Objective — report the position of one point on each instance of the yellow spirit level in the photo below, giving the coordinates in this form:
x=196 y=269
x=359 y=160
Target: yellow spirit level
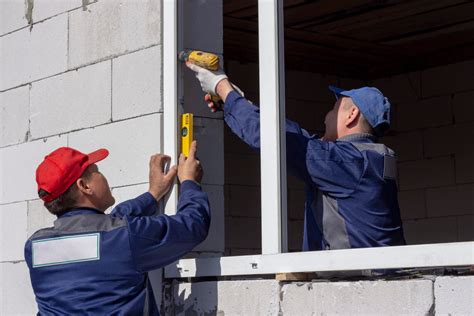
x=186 y=132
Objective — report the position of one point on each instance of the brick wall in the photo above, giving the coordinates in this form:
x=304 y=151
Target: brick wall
x=432 y=133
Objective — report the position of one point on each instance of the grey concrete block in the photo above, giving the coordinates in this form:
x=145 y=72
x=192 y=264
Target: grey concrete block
x=408 y=297
x=256 y=297
x=454 y=295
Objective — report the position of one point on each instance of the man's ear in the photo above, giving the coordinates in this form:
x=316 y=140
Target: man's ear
x=83 y=186
x=352 y=116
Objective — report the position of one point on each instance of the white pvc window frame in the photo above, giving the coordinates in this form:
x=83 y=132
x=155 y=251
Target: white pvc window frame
x=273 y=177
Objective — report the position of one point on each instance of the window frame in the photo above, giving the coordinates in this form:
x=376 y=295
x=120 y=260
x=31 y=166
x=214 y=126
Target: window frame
x=273 y=177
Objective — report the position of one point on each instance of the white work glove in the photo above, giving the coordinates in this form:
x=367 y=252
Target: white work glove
x=207 y=78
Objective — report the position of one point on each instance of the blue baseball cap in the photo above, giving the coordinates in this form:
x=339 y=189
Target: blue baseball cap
x=373 y=105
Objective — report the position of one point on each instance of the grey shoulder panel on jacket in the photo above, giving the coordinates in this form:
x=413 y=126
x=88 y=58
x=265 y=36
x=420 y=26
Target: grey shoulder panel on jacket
x=81 y=224
x=379 y=148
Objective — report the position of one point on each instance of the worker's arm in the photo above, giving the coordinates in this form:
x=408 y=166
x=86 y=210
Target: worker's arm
x=160 y=183
x=157 y=241
x=334 y=167
x=243 y=118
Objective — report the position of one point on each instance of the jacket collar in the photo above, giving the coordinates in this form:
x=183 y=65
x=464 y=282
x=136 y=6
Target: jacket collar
x=80 y=211
x=359 y=138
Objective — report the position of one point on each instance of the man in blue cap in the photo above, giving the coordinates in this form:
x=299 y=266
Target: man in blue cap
x=351 y=191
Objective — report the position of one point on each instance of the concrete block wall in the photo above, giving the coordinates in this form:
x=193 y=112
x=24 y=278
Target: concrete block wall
x=88 y=74
x=432 y=133
x=425 y=296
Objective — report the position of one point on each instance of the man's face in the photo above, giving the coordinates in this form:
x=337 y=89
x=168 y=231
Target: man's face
x=331 y=122
x=102 y=194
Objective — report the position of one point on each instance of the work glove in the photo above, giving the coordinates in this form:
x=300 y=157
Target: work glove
x=215 y=103
x=207 y=78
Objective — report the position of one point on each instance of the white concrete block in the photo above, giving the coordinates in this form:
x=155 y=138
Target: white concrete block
x=430 y=112
x=209 y=135
x=44 y=9
x=14 y=115
x=404 y=87
x=419 y=174
x=243 y=232
x=130 y=143
x=15 y=62
x=448 y=140
x=462 y=107
x=38 y=216
x=407 y=146
x=13 y=232
x=18 y=167
x=431 y=230
x=448 y=79
x=194 y=29
x=16 y=293
x=12 y=16
x=122 y=194
x=136 y=84
x=28 y=56
x=465 y=225
x=465 y=168
x=412 y=204
x=110 y=28
x=454 y=295
x=408 y=297
x=243 y=201
x=453 y=200
x=215 y=241
x=257 y=297
x=70 y=101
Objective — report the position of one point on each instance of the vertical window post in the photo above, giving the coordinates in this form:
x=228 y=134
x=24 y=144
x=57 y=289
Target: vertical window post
x=272 y=126
x=170 y=91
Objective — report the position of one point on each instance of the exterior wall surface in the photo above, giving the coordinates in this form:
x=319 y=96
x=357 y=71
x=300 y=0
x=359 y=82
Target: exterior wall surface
x=424 y=296
x=79 y=74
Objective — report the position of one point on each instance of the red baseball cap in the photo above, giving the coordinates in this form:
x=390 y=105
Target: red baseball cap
x=62 y=167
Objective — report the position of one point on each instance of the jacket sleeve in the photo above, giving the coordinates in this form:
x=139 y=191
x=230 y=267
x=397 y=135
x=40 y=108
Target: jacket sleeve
x=159 y=240
x=143 y=205
x=334 y=167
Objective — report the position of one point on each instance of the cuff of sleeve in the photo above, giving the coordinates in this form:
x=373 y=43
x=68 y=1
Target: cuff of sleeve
x=230 y=101
x=147 y=197
x=190 y=185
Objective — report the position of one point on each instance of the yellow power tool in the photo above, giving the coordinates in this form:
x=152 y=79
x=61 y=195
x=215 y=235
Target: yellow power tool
x=202 y=59
x=208 y=61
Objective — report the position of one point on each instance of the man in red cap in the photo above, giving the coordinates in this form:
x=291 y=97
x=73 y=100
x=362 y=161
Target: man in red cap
x=97 y=264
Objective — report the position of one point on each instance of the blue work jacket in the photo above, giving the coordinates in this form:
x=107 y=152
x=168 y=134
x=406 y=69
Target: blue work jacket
x=92 y=263
x=351 y=191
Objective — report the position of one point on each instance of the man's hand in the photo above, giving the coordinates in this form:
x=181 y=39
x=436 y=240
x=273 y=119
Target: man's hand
x=160 y=183
x=207 y=78
x=190 y=168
